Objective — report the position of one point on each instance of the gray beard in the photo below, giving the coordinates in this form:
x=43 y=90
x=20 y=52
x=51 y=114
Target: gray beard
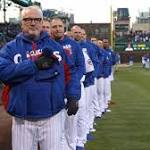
x=32 y=37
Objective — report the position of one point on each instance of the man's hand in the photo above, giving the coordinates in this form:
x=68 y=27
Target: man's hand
x=44 y=62
x=72 y=107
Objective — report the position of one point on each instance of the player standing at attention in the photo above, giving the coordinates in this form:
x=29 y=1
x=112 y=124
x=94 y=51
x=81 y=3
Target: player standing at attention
x=32 y=66
x=75 y=54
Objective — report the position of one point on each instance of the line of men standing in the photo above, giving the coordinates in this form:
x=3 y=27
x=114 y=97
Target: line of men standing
x=97 y=62
x=55 y=85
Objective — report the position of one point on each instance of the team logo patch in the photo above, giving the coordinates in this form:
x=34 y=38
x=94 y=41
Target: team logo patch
x=33 y=54
x=67 y=49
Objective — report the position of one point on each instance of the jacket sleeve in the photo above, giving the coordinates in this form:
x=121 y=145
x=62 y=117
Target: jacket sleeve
x=80 y=63
x=73 y=87
x=93 y=54
x=114 y=58
x=11 y=72
x=72 y=82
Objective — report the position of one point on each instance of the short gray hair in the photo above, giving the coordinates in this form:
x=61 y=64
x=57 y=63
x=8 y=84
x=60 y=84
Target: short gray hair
x=27 y=9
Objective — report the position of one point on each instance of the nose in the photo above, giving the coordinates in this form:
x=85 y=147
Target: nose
x=33 y=22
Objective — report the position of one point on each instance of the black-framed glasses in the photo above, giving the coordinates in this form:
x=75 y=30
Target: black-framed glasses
x=30 y=20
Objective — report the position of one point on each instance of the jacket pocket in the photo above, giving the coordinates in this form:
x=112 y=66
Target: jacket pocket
x=39 y=100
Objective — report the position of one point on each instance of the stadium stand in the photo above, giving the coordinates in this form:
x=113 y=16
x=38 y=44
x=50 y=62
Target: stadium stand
x=8 y=31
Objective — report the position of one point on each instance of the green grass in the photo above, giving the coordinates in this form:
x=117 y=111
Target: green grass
x=127 y=127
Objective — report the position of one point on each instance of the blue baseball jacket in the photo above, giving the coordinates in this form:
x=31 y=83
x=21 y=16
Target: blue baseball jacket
x=96 y=57
x=74 y=52
x=36 y=93
x=109 y=62
x=90 y=76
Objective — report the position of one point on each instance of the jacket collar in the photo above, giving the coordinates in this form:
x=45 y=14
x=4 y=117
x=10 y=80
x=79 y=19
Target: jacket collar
x=43 y=35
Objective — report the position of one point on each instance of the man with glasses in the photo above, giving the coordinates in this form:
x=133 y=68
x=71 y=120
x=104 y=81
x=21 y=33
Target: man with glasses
x=32 y=68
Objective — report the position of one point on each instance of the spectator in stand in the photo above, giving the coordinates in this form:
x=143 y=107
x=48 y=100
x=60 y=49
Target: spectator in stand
x=2 y=41
x=9 y=31
x=140 y=36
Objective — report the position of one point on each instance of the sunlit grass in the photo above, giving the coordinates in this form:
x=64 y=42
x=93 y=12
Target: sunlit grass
x=127 y=127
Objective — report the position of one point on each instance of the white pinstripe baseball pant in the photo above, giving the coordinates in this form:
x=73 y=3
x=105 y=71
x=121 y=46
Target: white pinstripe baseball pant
x=47 y=132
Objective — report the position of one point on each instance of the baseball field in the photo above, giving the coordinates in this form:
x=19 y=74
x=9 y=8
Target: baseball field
x=127 y=127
